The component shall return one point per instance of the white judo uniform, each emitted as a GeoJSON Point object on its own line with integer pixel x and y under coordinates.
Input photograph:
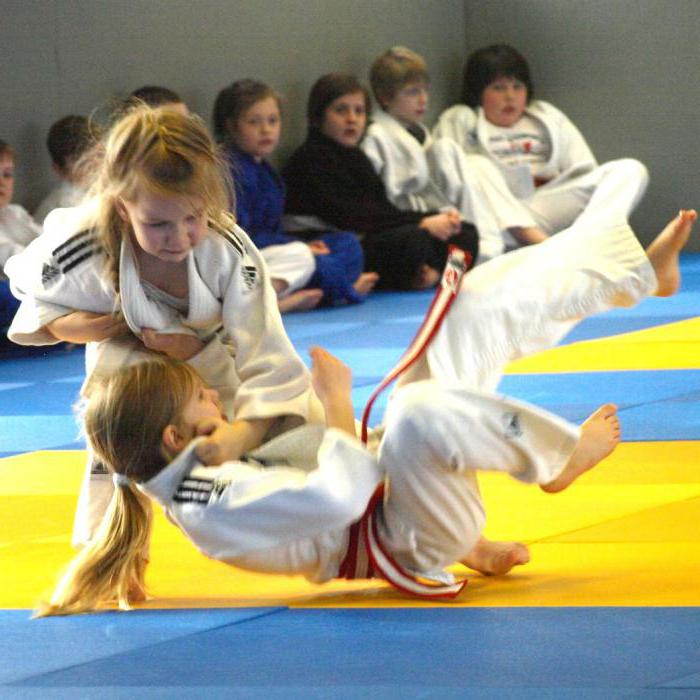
{"type": "Point", "coordinates": [17, 230]}
{"type": "Point", "coordinates": [64, 195]}
{"type": "Point", "coordinates": [575, 183]}
{"type": "Point", "coordinates": [231, 307]}
{"type": "Point", "coordinates": [443, 423]}
{"type": "Point", "coordinates": [436, 174]}
{"type": "Point", "coordinates": [292, 263]}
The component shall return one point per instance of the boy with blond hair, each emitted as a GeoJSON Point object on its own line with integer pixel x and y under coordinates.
{"type": "Point", "coordinates": [422, 173]}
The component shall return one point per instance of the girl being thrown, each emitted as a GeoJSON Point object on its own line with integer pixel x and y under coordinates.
{"type": "Point", "coordinates": [154, 262]}
{"type": "Point", "coordinates": [436, 434]}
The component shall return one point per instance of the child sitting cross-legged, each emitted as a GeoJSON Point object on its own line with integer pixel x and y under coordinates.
{"type": "Point", "coordinates": [549, 169]}
{"type": "Point", "coordinates": [331, 181]}
{"type": "Point", "coordinates": [329, 269]}
{"type": "Point", "coordinates": [422, 172]}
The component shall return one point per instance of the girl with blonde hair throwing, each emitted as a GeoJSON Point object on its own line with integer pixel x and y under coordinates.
{"type": "Point", "coordinates": [155, 262]}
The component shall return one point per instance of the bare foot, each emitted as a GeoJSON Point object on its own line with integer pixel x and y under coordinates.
{"type": "Point", "coordinates": [665, 248]}
{"type": "Point", "coordinates": [364, 284]}
{"type": "Point", "coordinates": [600, 435]}
{"type": "Point", "coordinates": [496, 558]}
{"type": "Point", "coordinates": [426, 277]}
{"type": "Point", "coordinates": [302, 300]}
{"type": "Point", "coordinates": [528, 234]}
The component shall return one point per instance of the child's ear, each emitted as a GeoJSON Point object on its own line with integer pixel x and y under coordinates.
{"type": "Point", "coordinates": [121, 209]}
{"type": "Point", "coordinates": [173, 440]}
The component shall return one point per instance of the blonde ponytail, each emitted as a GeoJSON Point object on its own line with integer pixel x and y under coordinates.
{"type": "Point", "coordinates": [124, 416]}
{"type": "Point", "coordinates": [111, 568]}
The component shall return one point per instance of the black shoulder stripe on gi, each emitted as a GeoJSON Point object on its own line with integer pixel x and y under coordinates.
{"type": "Point", "coordinates": [62, 257]}
{"type": "Point", "coordinates": [194, 490]}
{"type": "Point", "coordinates": [233, 239]}
{"type": "Point", "coordinates": [76, 261]}
{"type": "Point", "coordinates": [77, 238]}
{"type": "Point", "coordinates": [70, 254]}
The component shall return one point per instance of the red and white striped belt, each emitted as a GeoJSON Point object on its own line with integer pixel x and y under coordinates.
{"type": "Point", "coordinates": [366, 556]}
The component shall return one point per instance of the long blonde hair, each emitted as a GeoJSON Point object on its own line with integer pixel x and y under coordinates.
{"type": "Point", "coordinates": [161, 151]}
{"type": "Point", "coordinates": [124, 417]}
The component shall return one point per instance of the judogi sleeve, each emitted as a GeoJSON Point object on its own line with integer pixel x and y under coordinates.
{"type": "Point", "coordinates": [58, 272]}
{"type": "Point", "coordinates": [273, 379]}
{"type": "Point", "coordinates": [239, 508]}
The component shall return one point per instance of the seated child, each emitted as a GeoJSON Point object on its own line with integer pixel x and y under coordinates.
{"type": "Point", "coordinates": [247, 120]}
{"type": "Point", "coordinates": [157, 96]}
{"type": "Point", "coordinates": [17, 229]}
{"type": "Point", "coordinates": [330, 181]}
{"type": "Point", "coordinates": [545, 161]}
{"type": "Point", "coordinates": [322, 516]}
{"type": "Point", "coordinates": [422, 173]}
{"type": "Point", "coordinates": [67, 140]}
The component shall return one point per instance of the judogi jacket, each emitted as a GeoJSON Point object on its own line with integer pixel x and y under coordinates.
{"type": "Point", "coordinates": [570, 156]}
{"type": "Point", "coordinates": [280, 518]}
{"type": "Point", "coordinates": [231, 307]}
{"type": "Point", "coordinates": [403, 163]}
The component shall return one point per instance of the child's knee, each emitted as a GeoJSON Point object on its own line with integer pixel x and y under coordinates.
{"type": "Point", "coordinates": [632, 170]}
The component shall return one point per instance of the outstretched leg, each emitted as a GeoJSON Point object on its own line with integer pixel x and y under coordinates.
{"type": "Point", "coordinates": [526, 301]}
{"type": "Point", "coordinates": [600, 435]}
{"type": "Point", "coordinates": [664, 251]}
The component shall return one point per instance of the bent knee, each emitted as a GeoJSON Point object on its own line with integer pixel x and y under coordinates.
{"type": "Point", "coordinates": [631, 168]}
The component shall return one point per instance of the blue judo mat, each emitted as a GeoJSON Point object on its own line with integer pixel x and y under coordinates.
{"type": "Point", "coordinates": [356, 653]}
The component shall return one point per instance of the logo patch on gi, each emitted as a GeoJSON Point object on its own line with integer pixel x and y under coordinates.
{"type": "Point", "coordinates": [98, 467]}
{"type": "Point", "coordinates": [49, 274]}
{"type": "Point", "coordinates": [511, 425]}
{"type": "Point", "coordinates": [249, 274]}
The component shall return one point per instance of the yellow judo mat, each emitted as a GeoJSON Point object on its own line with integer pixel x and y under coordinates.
{"type": "Point", "coordinates": [626, 534]}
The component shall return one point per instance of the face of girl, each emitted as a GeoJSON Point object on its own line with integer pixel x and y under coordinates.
{"type": "Point", "coordinates": [257, 131]}
{"type": "Point", "coordinates": [409, 104]}
{"type": "Point", "coordinates": [345, 118]}
{"type": "Point", "coordinates": [166, 227]}
{"type": "Point", "coordinates": [7, 179]}
{"type": "Point", "coordinates": [204, 403]}
{"type": "Point", "coordinates": [504, 101]}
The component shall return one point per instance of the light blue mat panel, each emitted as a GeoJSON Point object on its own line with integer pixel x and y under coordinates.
{"type": "Point", "coordinates": [654, 405]}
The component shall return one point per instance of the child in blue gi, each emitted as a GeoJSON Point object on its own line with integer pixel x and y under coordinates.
{"type": "Point", "coordinates": [247, 119]}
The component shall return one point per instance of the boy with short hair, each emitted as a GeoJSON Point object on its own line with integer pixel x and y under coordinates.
{"type": "Point", "coordinates": [422, 173]}
{"type": "Point", "coordinates": [67, 140]}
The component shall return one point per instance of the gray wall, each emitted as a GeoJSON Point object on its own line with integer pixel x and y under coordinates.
{"type": "Point", "coordinates": [626, 71]}
{"type": "Point", "coordinates": [70, 56]}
